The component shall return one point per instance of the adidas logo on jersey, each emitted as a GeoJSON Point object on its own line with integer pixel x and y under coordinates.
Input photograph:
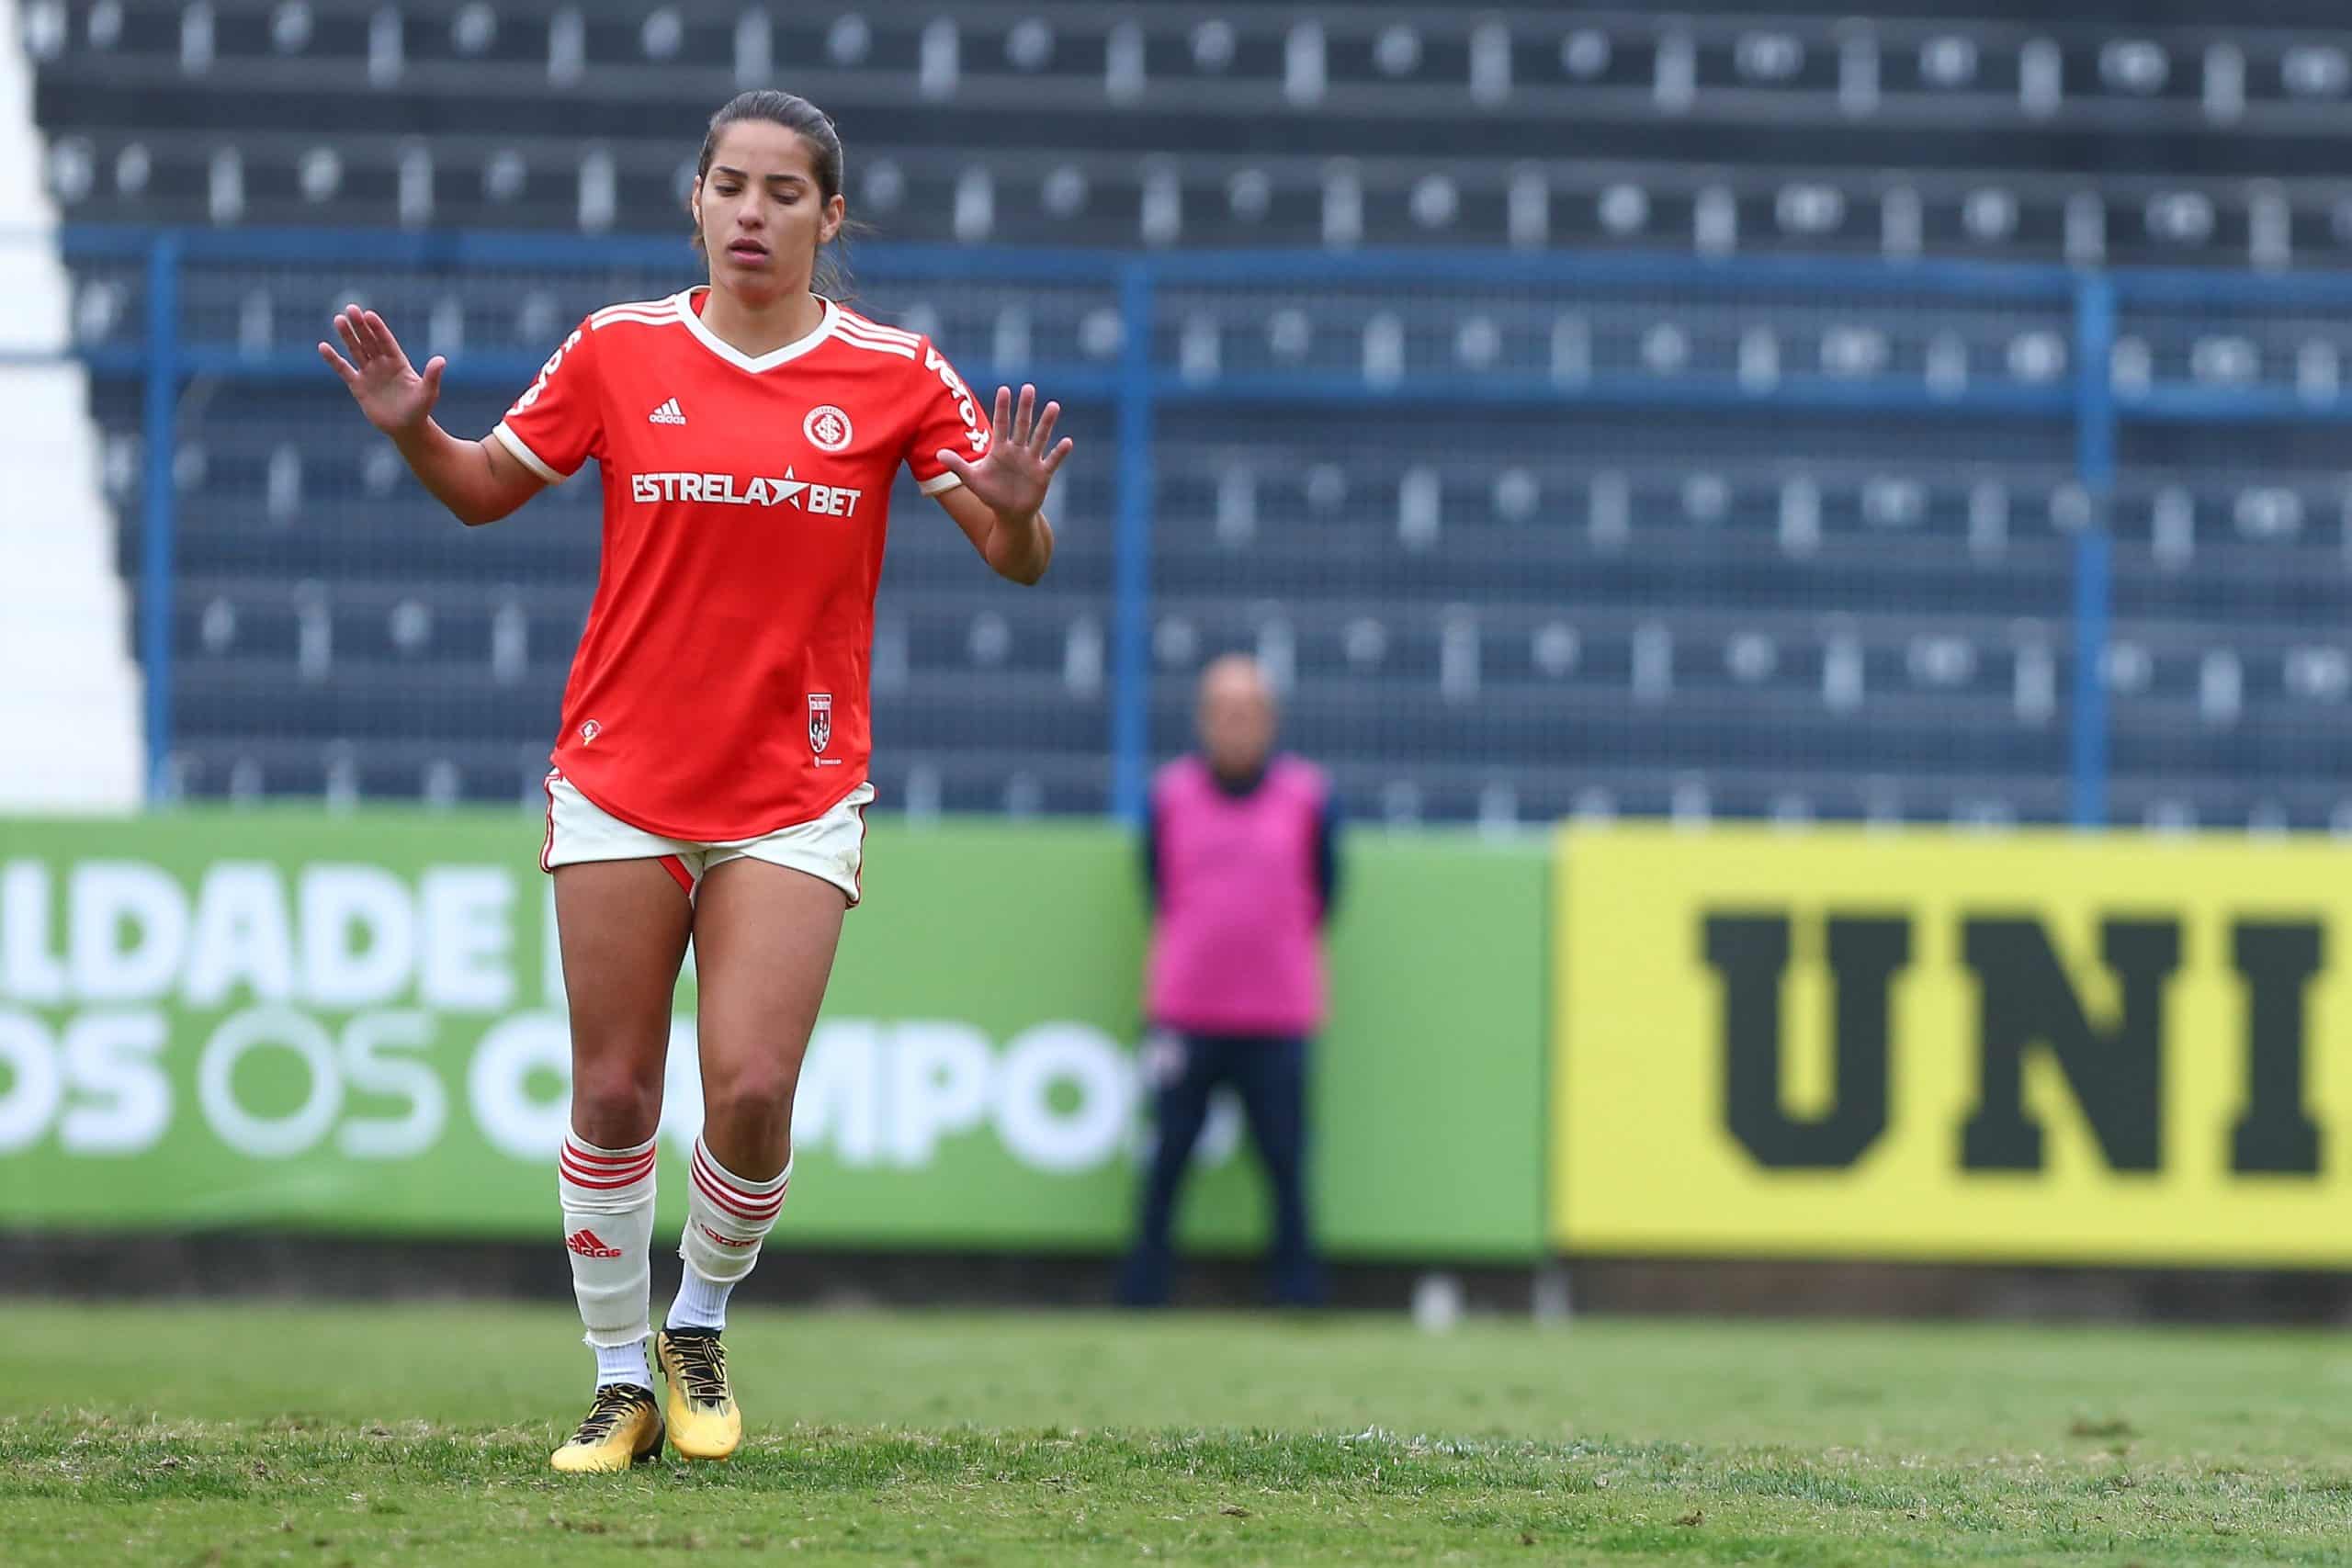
{"type": "Point", "coordinates": [668, 414]}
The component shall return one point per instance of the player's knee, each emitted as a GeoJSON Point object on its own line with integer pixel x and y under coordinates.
{"type": "Point", "coordinates": [749, 1095]}
{"type": "Point", "coordinates": [615, 1108]}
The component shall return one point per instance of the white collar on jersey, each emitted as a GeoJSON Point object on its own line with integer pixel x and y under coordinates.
{"type": "Point", "coordinates": [687, 313]}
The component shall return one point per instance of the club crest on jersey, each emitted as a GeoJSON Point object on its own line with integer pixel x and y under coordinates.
{"type": "Point", "coordinates": [589, 731]}
{"type": "Point", "coordinates": [827, 428]}
{"type": "Point", "coordinates": [820, 721]}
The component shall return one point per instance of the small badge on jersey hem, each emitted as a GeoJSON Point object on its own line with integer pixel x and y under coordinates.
{"type": "Point", "coordinates": [820, 728]}
{"type": "Point", "coordinates": [589, 731]}
{"type": "Point", "coordinates": [827, 428]}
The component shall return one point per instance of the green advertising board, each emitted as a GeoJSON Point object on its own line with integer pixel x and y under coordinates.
{"type": "Point", "coordinates": [354, 1023]}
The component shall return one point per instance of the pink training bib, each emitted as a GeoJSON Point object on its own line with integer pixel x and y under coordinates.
{"type": "Point", "coordinates": [1237, 948]}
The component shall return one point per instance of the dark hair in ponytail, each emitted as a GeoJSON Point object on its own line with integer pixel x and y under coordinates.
{"type": "Point", "coordinates": [795, 113]}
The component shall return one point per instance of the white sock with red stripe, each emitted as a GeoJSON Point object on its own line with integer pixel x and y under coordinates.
{"type": "Point", "coordinates": [727, 1218]}
{"type": "Point", "coordinates": [608, 1230]}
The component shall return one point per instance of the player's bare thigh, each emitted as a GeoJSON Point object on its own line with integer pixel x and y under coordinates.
{"type": "Point", "coordinates": [765, 937]}
{"type": "Point", "coordinates": [623, 926]}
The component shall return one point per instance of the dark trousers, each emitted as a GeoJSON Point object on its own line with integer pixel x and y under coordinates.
{"type": "Point", "coordinates": [1270, 1074]}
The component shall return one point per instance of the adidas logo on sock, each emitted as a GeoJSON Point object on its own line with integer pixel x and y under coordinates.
{"type": "Point", "coordinates": [731, 1240]}
{"type": "Point", "coordinates": [668, 414]}
{"type": "Point", "coordinates": [588, 1244]}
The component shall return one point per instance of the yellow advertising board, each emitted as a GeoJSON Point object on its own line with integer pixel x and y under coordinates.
{"type": "Point", "coordinates": [2040, 1046]}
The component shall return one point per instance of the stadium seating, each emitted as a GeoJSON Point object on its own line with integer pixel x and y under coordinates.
{"type": "Point", "coordinates": [1495, 613]}
{"type": "Point", "coordinates": [2012, 133]}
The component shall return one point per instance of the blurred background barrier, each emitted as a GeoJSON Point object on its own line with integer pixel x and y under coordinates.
{"type": "Point", "coordinates": [2041, 1048]}
{"type": "Point", "coordinates": [352, 1023]}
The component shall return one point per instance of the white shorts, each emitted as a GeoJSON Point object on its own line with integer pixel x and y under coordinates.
{"type": "Point", "coordinates": [831, 849]}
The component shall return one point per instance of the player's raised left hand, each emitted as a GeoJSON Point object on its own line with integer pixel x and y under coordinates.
{"type": "Point", "coordinates": [395, 396]}
{"type": "Point", "coordinates": [1013, 476]}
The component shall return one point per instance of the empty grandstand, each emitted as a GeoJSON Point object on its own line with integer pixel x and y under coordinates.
{"type": "Point", "coordinates": [1746, 412]}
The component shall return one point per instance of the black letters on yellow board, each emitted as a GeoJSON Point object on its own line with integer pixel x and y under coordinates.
{"type": "Point", "coordinates": [2117, 1074]}
{"type": "Point", "coordinates": [2276, 1134]}
{"type": "Point", "coordinates": [2026, 1000]}
{"type": "Point", "coordinates": [1750, 952]}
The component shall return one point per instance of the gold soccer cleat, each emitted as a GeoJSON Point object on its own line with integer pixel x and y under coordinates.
{"type": "Point", "coordinates": [623, 1428]}
{"type": "Point", "coordinates": [704, 1422]}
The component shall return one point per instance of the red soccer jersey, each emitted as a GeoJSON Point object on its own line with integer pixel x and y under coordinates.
{"type": "Point", "coordinates": [720, 690]}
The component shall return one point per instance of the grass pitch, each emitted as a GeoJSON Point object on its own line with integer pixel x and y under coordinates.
{"type": "Point", "coordinates": [418, 1435]}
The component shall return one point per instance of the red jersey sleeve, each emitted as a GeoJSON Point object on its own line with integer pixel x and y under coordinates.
{"type": "Point", "coordinates": [558, 423]}
{"type": "Point", "coordinates": [948, 415]}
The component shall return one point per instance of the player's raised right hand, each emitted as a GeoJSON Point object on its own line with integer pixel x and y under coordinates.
{"type": "Point", "coordinates": [387, 387]}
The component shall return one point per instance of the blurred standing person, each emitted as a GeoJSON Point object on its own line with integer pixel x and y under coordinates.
{"type": "Point", "coordinates": [1241, 856]}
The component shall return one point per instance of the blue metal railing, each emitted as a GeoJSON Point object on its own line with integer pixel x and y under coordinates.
{"type": "Point", "coordinates": [2093, 558]}
{"type": "Point", "coordinates": [159, 539]}
{"type": "Point", "coordinates": [1140, 385]}
{"type": "Point", "coordinates": [1131, 568]}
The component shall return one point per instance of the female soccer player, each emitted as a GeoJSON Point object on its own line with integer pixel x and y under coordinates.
{"type": "Point", "coordinates": [709, 776]}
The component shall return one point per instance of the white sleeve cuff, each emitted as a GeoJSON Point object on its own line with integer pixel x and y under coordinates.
{"type": "Point", "coordinates": [524, 455]}
{"type": "Point", "coordinates": [941, 483]}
